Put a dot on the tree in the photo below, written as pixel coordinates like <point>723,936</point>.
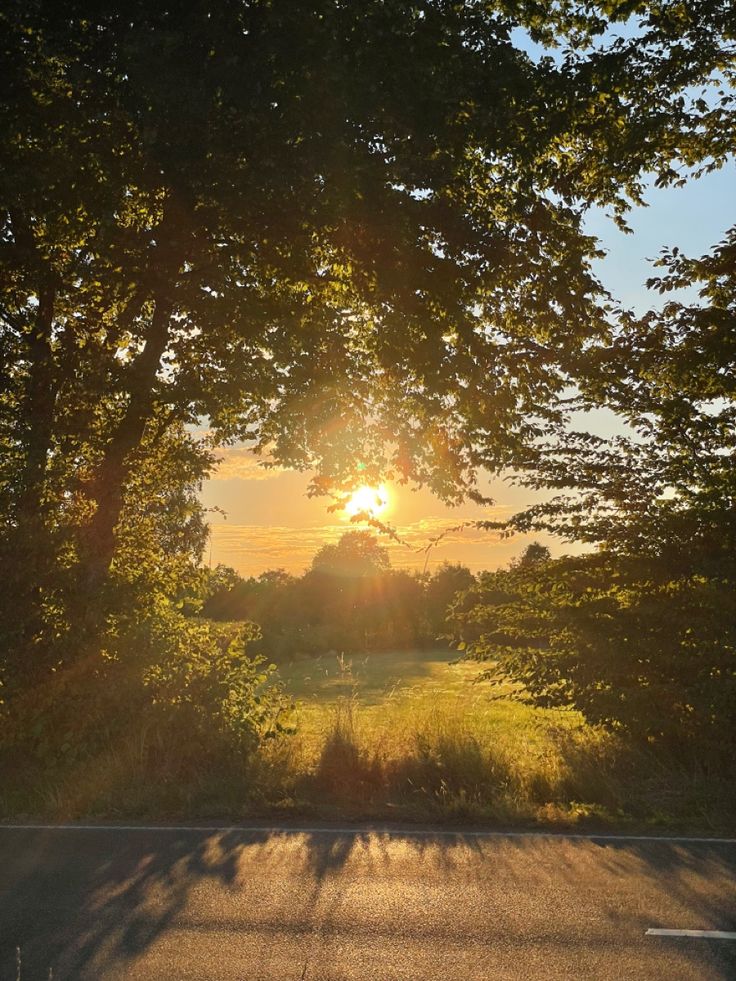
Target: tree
<point>357,555</point>
<point>441,589</point>
<point>316,225</point>
<point>268,600</point>
<point>350,599</point>
<point>666,486</point>
<point>640,635</point>
<point>345,588</point>
<point>534,553</point>
<point>630,642</point>
<point>161,537</point>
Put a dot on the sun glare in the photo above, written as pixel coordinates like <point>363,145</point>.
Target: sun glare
<point>371,500</point>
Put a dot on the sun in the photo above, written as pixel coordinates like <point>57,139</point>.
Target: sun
<point>370,500</point>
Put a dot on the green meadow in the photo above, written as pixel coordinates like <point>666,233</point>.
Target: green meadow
<point>390,695</point>
<point>414,736</point>
<point>422,736</point>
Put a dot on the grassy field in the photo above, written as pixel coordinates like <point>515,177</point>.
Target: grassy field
<point>399,736</point>
<point>418,737</point>
<point>390,697</point>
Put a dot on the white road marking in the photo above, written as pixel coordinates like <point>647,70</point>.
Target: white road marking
<point>706,934</point>
<point>395,832</point>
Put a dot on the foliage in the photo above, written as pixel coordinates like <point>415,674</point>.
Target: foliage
<point>534,553</point>
<point>637,644</point>
<point>315,226</point>
<point>349,600</point>
<point>667,486</point>
<point>351,234</point>
<point>640,635</point>
<point>207,689</point>
<point>414,741</point>
<point>190,687</point>
<point>357,555</point>
<point>161,534</point>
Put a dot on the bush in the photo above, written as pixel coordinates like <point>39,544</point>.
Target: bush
<point>204,687</point>
<point>632,643</point>
<point>189,685</point>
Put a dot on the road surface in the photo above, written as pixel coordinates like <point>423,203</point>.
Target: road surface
<point>332,905</point>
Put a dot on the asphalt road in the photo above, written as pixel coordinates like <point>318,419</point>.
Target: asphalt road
<point>295,905</point>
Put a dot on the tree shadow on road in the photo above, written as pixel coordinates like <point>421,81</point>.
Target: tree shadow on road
<point>90,904</point>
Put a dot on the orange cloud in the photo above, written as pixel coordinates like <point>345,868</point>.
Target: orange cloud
<point>241,463</point>
<point>252,548</point>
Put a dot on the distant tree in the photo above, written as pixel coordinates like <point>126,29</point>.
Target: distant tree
<point>357,555</point>
<point>441,589</point>
<point>343,588</point>
<point>215,585</point>
<point>401,612</point>
<point>276,578</point>
<point>222,577</point>
<point>534,553</point>
<point>350,599</point>
<point>266,600</point>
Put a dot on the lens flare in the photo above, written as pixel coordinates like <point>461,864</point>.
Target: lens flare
<point>369,500</point>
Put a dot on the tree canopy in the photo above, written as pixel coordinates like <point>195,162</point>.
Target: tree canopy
<point>353,235</point>
<point>640,634</point>
<point>665,486</point>
<point>356,555</point>
<point>349,232</point>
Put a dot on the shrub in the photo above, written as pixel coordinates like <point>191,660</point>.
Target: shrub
<point>190,685</point>
<point>632,643</point>
<point>203,685</point>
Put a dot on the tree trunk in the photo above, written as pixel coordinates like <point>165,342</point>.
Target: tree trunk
<point>108,485</point>
<point>107,490</point>
<point>39,414</point>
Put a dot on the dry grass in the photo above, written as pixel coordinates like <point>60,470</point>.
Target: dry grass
<point>402,739</point>
<point>433,761</point>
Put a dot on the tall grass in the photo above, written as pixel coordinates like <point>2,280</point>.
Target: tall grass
<point>432,752</point>
<point>441,763</point>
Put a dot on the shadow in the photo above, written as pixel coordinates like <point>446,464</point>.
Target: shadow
<point>327,677</point>
<point>296,904</point>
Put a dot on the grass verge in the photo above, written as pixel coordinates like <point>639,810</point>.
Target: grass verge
<point>396,738</point>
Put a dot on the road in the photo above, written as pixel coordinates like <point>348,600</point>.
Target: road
<point>332,905</point>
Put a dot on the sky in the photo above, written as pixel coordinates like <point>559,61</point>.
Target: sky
<point>270,523</point>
